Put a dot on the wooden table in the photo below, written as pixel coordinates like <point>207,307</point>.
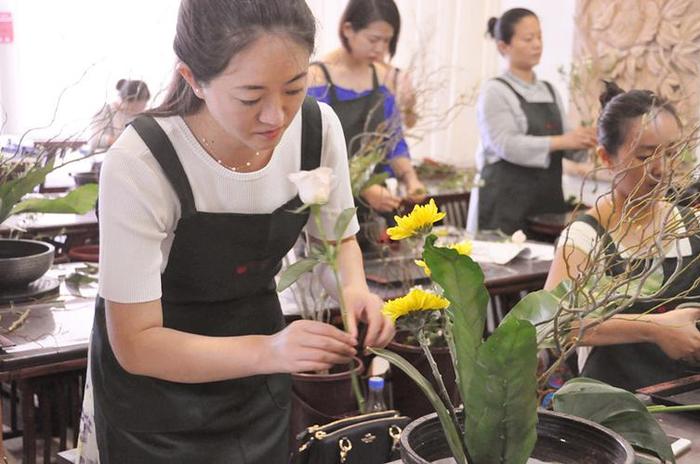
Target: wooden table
<point>547,226</point>
<point>48,360</point>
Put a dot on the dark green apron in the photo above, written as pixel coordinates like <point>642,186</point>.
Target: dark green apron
<point>362,115</point>
<point>219,282</point>
<point>512,192</point>
<point>635,365</point>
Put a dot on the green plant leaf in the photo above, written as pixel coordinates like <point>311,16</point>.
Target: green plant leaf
<point>12,192</point>
<point>293,272</point>
<point>451,433</point>
<point>341,224</point>
<point>77,201</point>
<point>501,406</point>
<point>616,409</point>
<point>462,281</point>
<point>539,308</point>
<point>375,179</point>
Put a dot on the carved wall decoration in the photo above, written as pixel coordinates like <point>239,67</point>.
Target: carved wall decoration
<point>643,44</point>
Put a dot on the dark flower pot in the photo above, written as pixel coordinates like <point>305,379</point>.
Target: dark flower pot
<point>84,178</point>
<point>408,398</point>
<point>561,438</point>
<point>318,399</point>
<point>23,261</point>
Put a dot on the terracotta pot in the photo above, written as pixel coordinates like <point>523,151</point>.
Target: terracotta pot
<point>561,438</point>
<point>318,399</point>
<point>408,398</point>
<point>88,253</point>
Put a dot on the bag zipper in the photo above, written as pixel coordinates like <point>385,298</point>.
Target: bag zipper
<point>317,432</point>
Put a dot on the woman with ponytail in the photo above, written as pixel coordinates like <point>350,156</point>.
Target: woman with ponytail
<point>651,341</point>
<point>190,357</point>
<point>523,133</point>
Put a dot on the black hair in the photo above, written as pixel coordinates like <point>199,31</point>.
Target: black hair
<point>360,13</point>
<point>503,28</point>
<point>210,33</point>
<point>619,107</point>
<point>133,90</point>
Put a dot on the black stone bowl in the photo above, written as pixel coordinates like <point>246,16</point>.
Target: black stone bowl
<point>23,261</point>
<point>561,438</point>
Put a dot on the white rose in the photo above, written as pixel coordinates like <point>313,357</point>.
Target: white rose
<point>518,237</point>
<point>314,186</point>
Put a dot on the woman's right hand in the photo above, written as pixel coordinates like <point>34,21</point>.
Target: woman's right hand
<point>305,346</point>
<point>580,138</point>
<point>676,334</point>
<point>380,199</point>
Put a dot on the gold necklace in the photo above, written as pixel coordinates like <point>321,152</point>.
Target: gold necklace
<point>209,144</point>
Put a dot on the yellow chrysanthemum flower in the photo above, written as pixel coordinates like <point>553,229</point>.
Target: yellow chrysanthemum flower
<point>421,219</point>
<point>416,300</point>
<point>463,248</point>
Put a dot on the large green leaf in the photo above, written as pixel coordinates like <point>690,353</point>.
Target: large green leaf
<point>462,281</point>
<point>451,433</point>
<point>501,406</point>
<point>539,308</point>
<point>293,272</point>
<point>77,201</point>
<point>616,409</point>
<point>341,224</point>
<point>11,192</point>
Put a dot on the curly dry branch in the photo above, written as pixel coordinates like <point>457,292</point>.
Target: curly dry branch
<point>600,287</point>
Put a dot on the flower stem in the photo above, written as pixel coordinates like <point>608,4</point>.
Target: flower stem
<point>442,390</point>
<point>332,252</point>
<point>356,389</point>
<point>660,408</point>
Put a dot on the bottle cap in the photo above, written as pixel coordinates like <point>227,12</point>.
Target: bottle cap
<point>376,383</point>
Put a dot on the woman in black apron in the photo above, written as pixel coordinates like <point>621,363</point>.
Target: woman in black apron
<point>361,90</point>
<point>522,133</point>
<point>656,343</point>
<point>190,358</point>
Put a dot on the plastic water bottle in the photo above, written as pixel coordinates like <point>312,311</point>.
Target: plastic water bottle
<point>375,401</point>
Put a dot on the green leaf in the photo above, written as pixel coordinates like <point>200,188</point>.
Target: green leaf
<point>462,281</point>
<point>502,402</point>
<point>539,308</point>
<point>616,409</point>
<point>451,433</point>
<point>12,192</point>
<point>293,272</point>
<point>375,179</point>
<point>77,201</point>
<point>341,224</point>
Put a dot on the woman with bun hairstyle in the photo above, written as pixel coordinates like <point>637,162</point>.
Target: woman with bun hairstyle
<point>108,124</point>
<point>523,132</point>
<point>646,344</point>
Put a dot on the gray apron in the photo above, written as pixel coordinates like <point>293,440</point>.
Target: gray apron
<point>219,282</point>
<point>512,192</point>
<point>635,365</point>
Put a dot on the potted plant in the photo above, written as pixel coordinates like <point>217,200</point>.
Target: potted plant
<point>497,377</point>
<point>23,261</point>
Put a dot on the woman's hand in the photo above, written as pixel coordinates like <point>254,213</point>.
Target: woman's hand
<point>415,191</point>
<point>309,346</point>
<point>362,305</point>
<point>580,138</point>
<point>380,199</point>
<point>676,334</point>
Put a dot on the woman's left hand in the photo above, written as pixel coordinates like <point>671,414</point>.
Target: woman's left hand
<point>362,305</point>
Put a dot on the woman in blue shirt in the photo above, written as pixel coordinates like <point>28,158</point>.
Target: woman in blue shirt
<point>361,89</point>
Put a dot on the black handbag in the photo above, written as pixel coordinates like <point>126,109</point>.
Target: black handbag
<point>366,439</point>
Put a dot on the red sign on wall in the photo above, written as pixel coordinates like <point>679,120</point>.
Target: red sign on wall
<point>6,34</point>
